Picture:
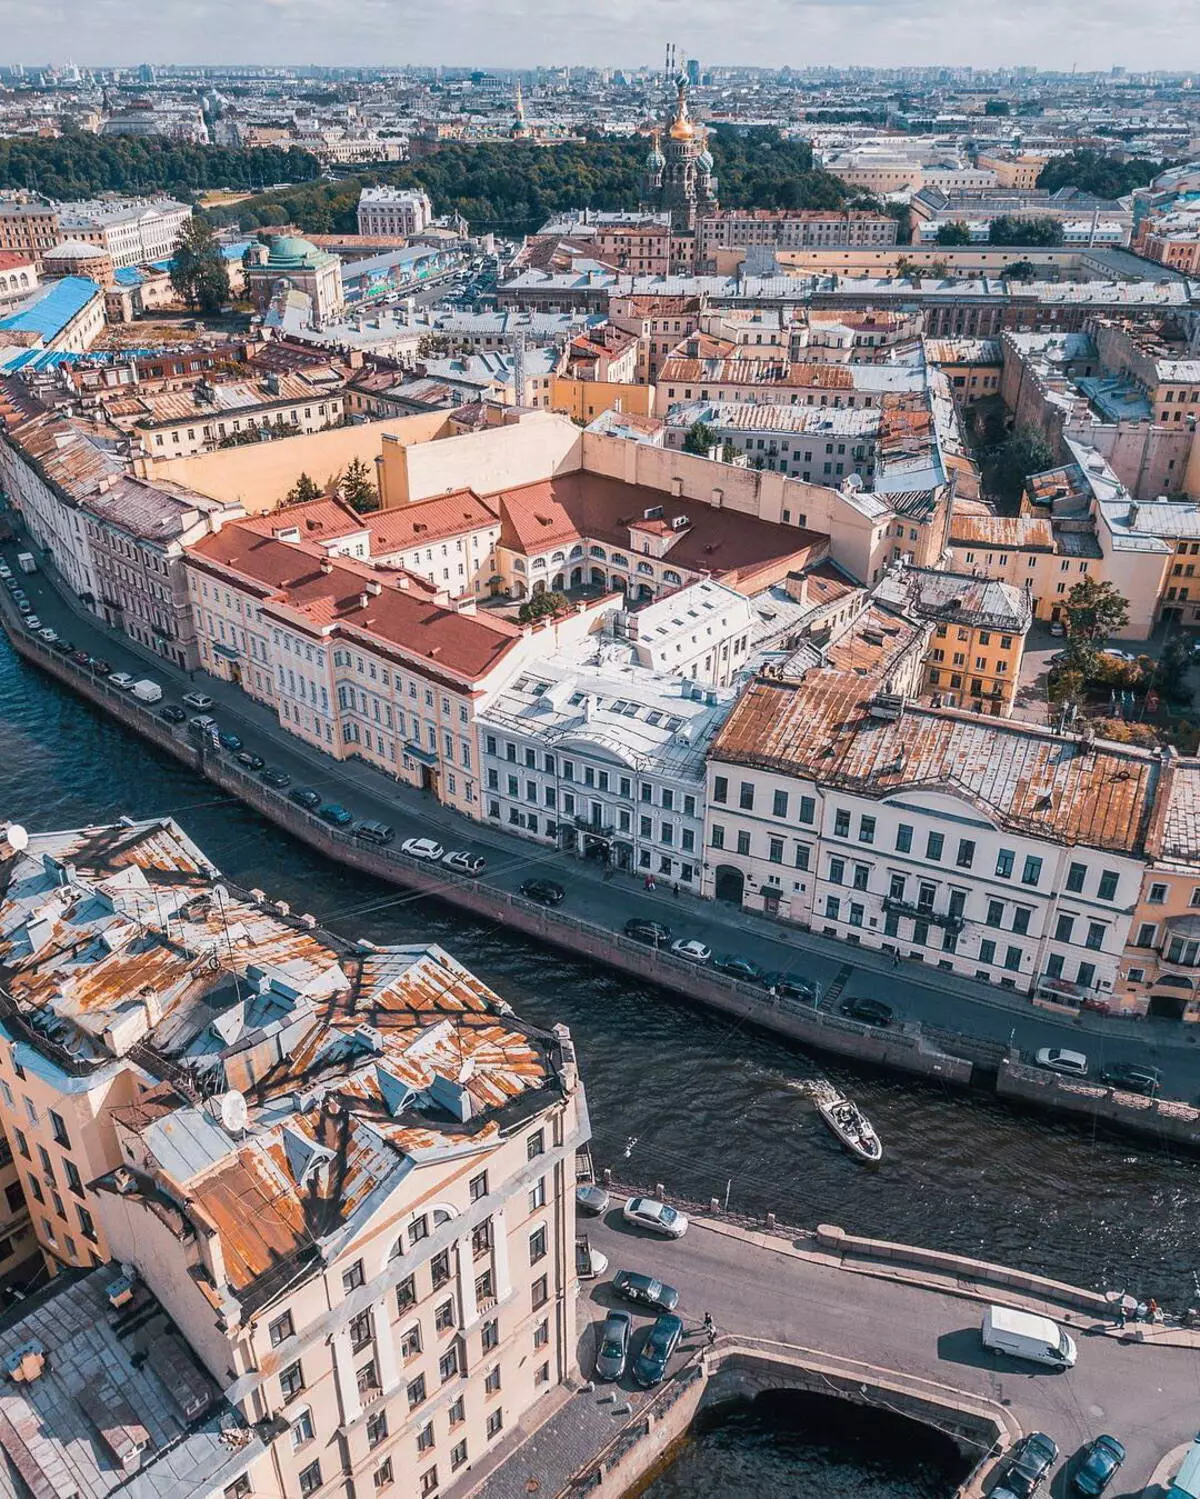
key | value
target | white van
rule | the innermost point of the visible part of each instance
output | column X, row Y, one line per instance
column 1186, row 1483
column 1028, row 1336
column 147, row 691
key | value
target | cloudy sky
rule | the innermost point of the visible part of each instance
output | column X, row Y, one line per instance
column 507, row 33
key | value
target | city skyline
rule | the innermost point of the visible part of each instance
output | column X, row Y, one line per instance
column 293, row 33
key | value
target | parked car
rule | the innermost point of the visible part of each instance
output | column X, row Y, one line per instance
column 1055, row 1059
column 305, row 796
column 545, row 892
column 1097, row 1465
column 278, row 780
column 422, row 848
column 374, row 832
column 650, row 1366
column 203, row 726
column 1057, row 628
column 24, row 606
column 47, row 634
column 99, row 666
column 172, row 714
column 199, row 701
column 614, row 1345
column 122, row 679
column 591, row 1198
column 62, row 647
column 690, row 950
column 1029, row 1463
column 250, row 760
column 80, row 658
column 337, row 815
column 32, row 622
column 1131, row 1079
column 653, row 933
column 464, row 863
column 869, row 1011
column 738, row 967
column 644, row 1290
column 658, row 1217
column 792, row 986
column 229, row 741
column 5, row 570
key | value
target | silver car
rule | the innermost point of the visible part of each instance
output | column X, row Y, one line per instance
column 613, row 1352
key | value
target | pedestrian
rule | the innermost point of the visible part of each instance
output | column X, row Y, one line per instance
column 1121, row 1317
column 710, row 1328
column 675, row 889
column 895, row 957
column 1152, row 1310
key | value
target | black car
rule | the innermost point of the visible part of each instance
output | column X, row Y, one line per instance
column 305, row 796
column 98, row 665
column 1097, row 1465
column 278, row 780
column 545, row 892
column 1131, row 1079
column 738, row 967
column 650, row 1366
column 337, row 815
column 172, row 714
column 229, row 741
column 869, row 1011
column 644, row 1290
column 653, row 933
column 63, row 647
column 792, row 986
column 250, row 760
column 1029, row 1463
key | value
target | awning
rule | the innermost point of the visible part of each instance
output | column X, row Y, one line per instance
column 421, row 756
column 227, row 651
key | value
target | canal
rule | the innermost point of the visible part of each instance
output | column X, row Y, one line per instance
column 678, row 1095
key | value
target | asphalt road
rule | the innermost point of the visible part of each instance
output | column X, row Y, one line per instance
column 926, row 995
column 1147, row 1396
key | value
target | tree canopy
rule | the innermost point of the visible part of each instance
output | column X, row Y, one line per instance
column 955, row 233
column 198, row 273
column 302, row 491
column 699, row 438
column 1095, row 610
column 1094, row 172
column 357, row 489
column 1019, row 229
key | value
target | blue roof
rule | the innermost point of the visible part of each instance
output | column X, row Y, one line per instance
column 128, row 275
column 51, row 313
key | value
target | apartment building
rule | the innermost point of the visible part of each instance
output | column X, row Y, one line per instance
column 393, row 211
column 1083, row 219
column 366, row 1235
column 1021, row 170
column 658, row 324
column 29, row 229
column 18, row 277
column 978, row 845
column 790, row 229
column 134, row 231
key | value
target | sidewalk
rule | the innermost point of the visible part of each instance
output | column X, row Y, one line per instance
column 946, row 1003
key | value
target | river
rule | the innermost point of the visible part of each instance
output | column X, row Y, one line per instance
column 677, row 1095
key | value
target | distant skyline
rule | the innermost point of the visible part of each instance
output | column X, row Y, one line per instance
column 1055, row 34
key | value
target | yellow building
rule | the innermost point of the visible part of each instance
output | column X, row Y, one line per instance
column 1020, row 171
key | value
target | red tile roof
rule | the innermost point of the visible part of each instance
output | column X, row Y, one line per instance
column 428, row 520
column 316, row 520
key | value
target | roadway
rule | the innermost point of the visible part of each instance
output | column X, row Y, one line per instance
column 929, row 996
column 1147, row 1395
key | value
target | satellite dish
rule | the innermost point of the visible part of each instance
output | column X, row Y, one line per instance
column 17, row 836
column 234, row 1114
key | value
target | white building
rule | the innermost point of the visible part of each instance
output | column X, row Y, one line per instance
column 132, row 230
column 397, row 212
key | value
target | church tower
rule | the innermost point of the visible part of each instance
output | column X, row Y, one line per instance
column 679, row 175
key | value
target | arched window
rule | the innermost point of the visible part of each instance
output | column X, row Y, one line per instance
column 598, row 551
column 559, row 557
column 644, row 567
column 618, row 559
column 671, row 577
column 538, row 562
column 518, row 565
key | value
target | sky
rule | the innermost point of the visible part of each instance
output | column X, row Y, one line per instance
column 1059, row 34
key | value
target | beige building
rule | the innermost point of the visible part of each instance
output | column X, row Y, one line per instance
column 133, row 231
column 366, row 1236
column 297, row 265
column 18, row 277
column 399, row 211
column 29, row 229
column 1021, row 170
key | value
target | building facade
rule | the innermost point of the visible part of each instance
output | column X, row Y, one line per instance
column 393, row 211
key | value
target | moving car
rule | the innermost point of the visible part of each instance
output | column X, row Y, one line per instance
column 1028, row 1464
column 250, row 760
column 644, row 1290
column 172, row 714
column 614, row 1345
column 690, row 950
column 337, row 815
column 653, row 933
column 200, row 701
column 545, row 892
column 374, row 832
column 305, row 796
column 661, row 1342
column 1131, row 1079
column 464, row 863
column 869, row 1011
column 1055, row 1059
column 658, row 1217
column 121, row 679
column 1038, row 1340
column 278, row 780
column 1097, row 1465
column 591, row 1198
column 422, row 848
column 229, row 741
column 738, row 967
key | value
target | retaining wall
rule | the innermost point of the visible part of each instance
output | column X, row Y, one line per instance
column 1166, row 1119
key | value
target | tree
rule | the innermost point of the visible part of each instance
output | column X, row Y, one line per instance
column 1174, row 668
column 1020, row 270
column 1094, row 172
column 700, row 439
column 997, row 107
column 956, row 233
column 302, row 491
column 1007, row 467
column 198, row 271
column 1095, row 610
column 729, row 452
column 356, row 487
column 1020, row 229
column 541, row 606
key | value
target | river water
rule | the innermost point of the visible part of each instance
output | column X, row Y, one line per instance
column 677, row 1095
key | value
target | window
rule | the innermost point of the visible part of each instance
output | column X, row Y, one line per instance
column 743, row 842
column 495, row 1423
column 310, row 1479
column 485, row 1288
column 866, row 829
column 775, row 851
column 539, row 1292
column 458, row 1454
column 1032, row 872
column 1021, row 917
column 1075, row 877
column 537, row 1245
column 448, row 1364
column 1012, row 959
column 367, row 1378
column 491, row 1335
column 1004, row 863
column 360, row 1331
column 987, row 951
column 291, row 1380
column 861, row 875
column 808, row 809
column 1107, row 889
column 837, row 871
column 1158, row 894
column 73, row 1178
column 995, row 913
column 410, row 1341
column 541, row 1333
column 491, row 1383
column 966, row 853
column 904, row 838
column 841, row 823
column 382, row 1476
column 353, row 1278
column 429, row 1483
column 443, row 1318
column 239, row 1488
column 280, row 1330
column 535, row 1145
column 86, row 1224
column 1086, row 976
column 1063, row 928
column 1147, row 932
column 302, row 1429
column 537, row 1195
column 457, row 1412
column 416, row 1391
column 718, row 835
column 377, row 1428
column 934, row 845
column 406, row 1293
column 832, row 907
column 1095, row 935
column 478, row 1186
column 779, row 805
column 59, row 1128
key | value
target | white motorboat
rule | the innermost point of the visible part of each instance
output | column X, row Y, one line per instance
column 849, row 1124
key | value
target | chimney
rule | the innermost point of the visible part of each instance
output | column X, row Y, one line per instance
column 364, row 599
column 326, row 566
column 25, row 1364
column 374, row 588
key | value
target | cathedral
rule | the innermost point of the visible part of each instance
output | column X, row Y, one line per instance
column 679, row 177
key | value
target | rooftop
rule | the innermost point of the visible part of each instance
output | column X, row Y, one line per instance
column 926, row 593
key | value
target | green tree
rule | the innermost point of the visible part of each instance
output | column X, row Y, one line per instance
column 700, row 439
column 1095, row 610
column 198, row 271
column 356, row 487
column 729, row 452
column 997, row 107
column 1174, row 668
column 1020, row 270
column 541, row 606
column 1007, row 466
column 956, row 233
column 1095, row 172
column 1021, row 229
column 303, row 490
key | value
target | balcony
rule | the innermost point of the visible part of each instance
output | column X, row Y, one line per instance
column 951, row 921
